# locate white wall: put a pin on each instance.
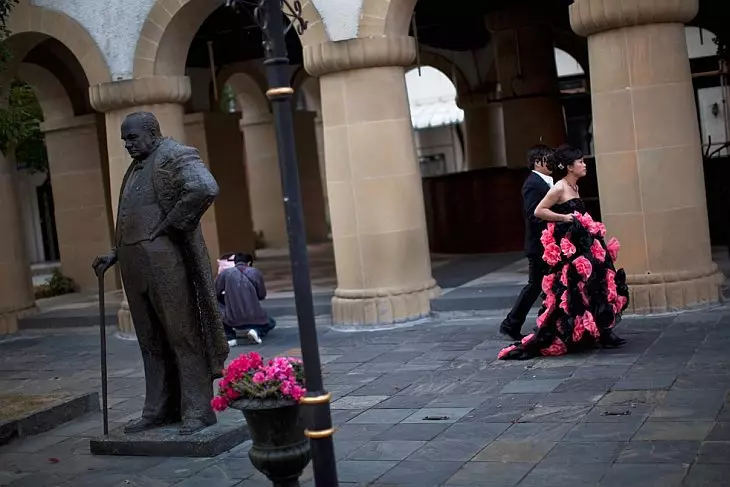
(440, 140)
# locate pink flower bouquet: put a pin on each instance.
(249, 377)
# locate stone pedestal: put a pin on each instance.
(484, 132)
(79, 197)
(162, 95)
(524, 54)
(373, 182)
(230, 431)
(16, 289)
(648, 149)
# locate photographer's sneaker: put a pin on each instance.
(254, 337)
(233, 343)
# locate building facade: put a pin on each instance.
(91, 65)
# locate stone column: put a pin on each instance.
(525, 59)
(264, 176)
(373, 181)
(319, 134)
(648, 149)
(79, 197)
(16, 288)
(310, 178)
(264, 179)
(162, 95)
(483, 132)
(218, 138)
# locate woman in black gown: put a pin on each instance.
(583, 293)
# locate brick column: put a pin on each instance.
(373, 181)
(648, 149)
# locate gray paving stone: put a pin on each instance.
(358, 402)
(437, 415)
(382, 416)
(559, 475)
(361, 431)
(571, 398)
(603, 431)
(659, 452)
(674, 430)
(412, 432)
(402, 401)
(142, 481)
(570, 452)
(618, 414)
(362, 472)
(445, 450)
(411, 473)
(555, 414)
(720, 432)
(466, 431)
(531, 386)
(513, 451)
(644, 475)
(593, 384)
(715, 452)
(561, 372)
(489, 474)
(707, 476)
(386, 450)
(537, 431)
(645, 382)
(469, 401)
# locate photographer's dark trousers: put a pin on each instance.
(179, 385)
(529, 294)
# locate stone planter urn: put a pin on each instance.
(280, 450)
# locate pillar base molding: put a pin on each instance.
(9, 318)
(383, 306)
(588, 17)
(153, 90)
(124, 319)
(674, 291)
(359, 53)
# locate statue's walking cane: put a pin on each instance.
(102, 335)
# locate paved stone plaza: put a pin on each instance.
(655, 413)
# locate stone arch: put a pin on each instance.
(448, 68)
(309, 88)
(170, 26)
(30, 25)
(250, 88)
(395, 21)
(52, 96)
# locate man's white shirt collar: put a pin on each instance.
(547, 179)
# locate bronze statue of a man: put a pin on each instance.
(167, 276)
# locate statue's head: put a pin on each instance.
(141, 134)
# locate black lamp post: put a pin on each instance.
(269, 15)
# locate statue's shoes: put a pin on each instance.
(142, 424)
(191, 426)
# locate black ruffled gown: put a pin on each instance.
(583, 294)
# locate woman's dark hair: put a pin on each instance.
(564, 156)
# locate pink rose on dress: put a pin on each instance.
(564, 302)
(583, 295)
(613, 247)
(620, 305)
(555, 349)
(598, 252)
(541, 319)
(590, 324)
(503, 353)
(611, 293)
(583, 266)
(549, 301)
(528, 339)
(598, 228)
(578, 329)
(564, 276)
(547, 283)
(567, 247)
(551, 254)
(547, 237)
(585, 219)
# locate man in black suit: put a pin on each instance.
(536, 186)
